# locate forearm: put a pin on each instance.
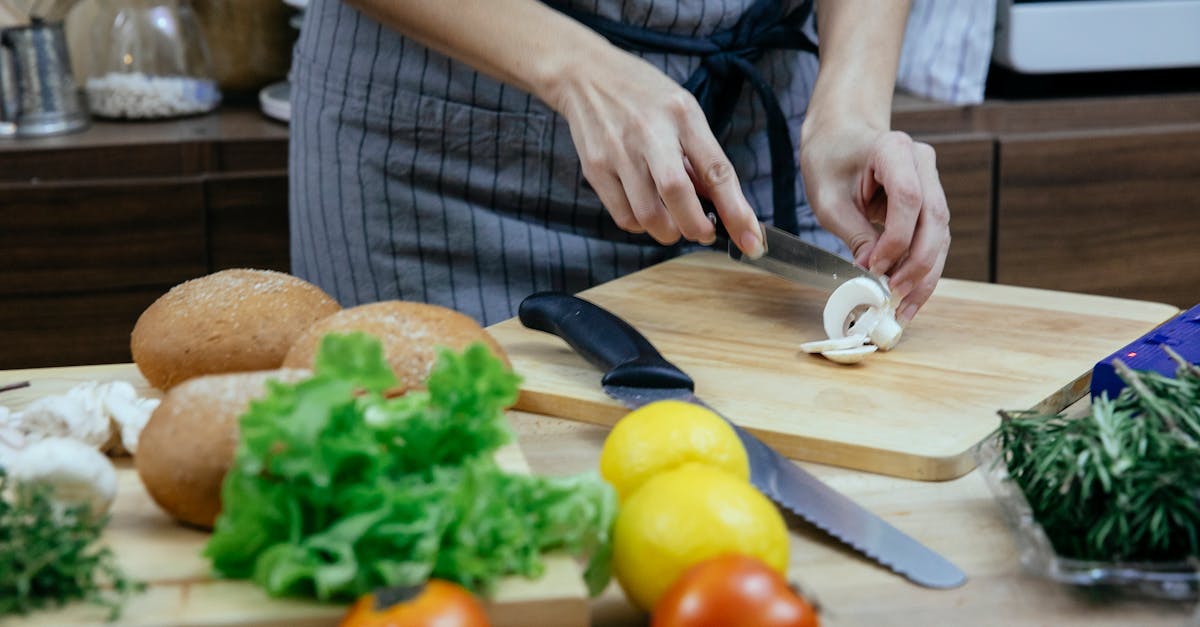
(520, 42)
(860, 51)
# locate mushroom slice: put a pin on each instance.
(850, 355)
(835, 344)
(849, 297)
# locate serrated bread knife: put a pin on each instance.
(636, 374)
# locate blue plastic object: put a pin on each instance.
(1181, 333)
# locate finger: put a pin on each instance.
(678, 194)
(612, 196)
(932, 234)
(893, 166)
(716, 179)
(646, 205)
(845, 221)
(923, 290)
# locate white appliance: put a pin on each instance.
(1064, 36)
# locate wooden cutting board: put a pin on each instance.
(913, 412)
(180, 591)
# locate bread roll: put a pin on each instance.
(230, 321)
(410, 332)
(187, 446)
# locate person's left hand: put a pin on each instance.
(857, 177)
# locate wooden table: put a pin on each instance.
(956, 518)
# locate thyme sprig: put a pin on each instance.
(1121, 483)
(48, 554)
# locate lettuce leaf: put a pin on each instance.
(336, 489)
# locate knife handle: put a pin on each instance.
(605, 340)
(723, 240)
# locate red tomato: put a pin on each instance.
(732, 591)
(436, 604)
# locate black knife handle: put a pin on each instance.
(723, 242)
(605, 340)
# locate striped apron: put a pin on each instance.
(414, 177)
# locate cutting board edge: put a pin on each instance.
(920, 467)
(917, 467)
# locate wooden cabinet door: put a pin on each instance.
(1106, 212)
(965, 167)
(248, 221)
(76, 237)
(81, 261)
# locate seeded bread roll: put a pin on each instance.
(188, 444)
(410, 332)
(229, 321)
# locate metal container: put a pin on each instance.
(38, 93)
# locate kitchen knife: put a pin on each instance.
(636, 375)
(795, 259)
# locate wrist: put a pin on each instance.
(564, 66)
(847, 107)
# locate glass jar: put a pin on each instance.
(150, 60)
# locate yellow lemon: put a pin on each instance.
(681, 517)
(663, 435)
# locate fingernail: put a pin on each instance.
(708, 241)
(900, 290)
(752, 244)
(907, 312)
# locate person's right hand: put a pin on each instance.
(646, 148)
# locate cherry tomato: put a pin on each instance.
(732, 591)
(437, 603)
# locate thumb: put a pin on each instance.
(854, 229)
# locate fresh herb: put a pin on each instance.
(48, 553)
(1123, 482)
(337, 490)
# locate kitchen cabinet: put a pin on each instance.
(98, 224)
(1097, 195)
(1106, 212)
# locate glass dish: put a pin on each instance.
(1163, 580)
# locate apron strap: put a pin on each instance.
(727, 61)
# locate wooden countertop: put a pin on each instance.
(236, 123)
(956, 518)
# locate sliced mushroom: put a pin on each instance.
(834, 344)
(850, 355)
(857, 311)
(849, 297)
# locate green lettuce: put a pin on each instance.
(337, 489)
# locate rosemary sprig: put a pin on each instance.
(1123, 482)
(48, 555)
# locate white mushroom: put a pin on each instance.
(99, 414)
(849, 299)
(834, 344)
(880, 325)
(857, 311)
(76, 472)
(850, 355)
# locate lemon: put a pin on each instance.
(681, 517)
(663, 435)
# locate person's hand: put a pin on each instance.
(646, 148)
(857, 177)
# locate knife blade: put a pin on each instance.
(636, 374)
(795, 259)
